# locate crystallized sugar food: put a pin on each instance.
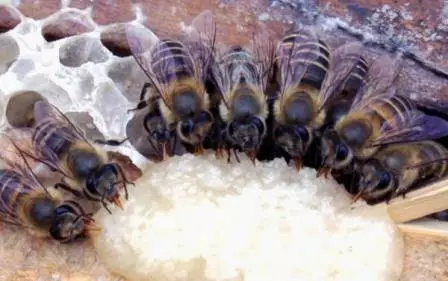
(199, 218)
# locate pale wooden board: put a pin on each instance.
(420, 203)
(426, 226)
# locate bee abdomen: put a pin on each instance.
(357, 77)
(430, 151)
(12, 191)
(392, 110)
(303, 49)
(170, 60)
(49, 138)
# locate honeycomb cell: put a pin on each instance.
(67, 24)
(43, 84)
(128, 77)
(114, 38)
(22, 67)
(19, 108)
(85, 122)
(9, 52)
(39, 9)
(107, 12)
(9, 18)
(81, 49)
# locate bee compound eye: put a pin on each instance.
(258, 124)
(303, 133)
(385, 178)
(204, 117)
(341, 151)
(187, 127)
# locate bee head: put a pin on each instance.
(293, 139)
(104, 182)
(156, 128)
(336, 154)
(193, 130)
(247, 134)
(67, 224)
(375, 181)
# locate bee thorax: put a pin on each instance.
(245, 105)
(298, 112)
(186, 104)
(82, 162)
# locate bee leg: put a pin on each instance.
(236, 156)
(229, 154)
(125, 181)
(105, 206)
(142, 102)
(68, 188)
(111, 142)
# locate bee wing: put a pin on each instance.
(55, 120)
(17, 155)
(222, 79)
(410, 127)
(343, 62)
(45, 111)
(381, 77)
(201, 40)
(264, 51)
(142, 56)
(294, 57)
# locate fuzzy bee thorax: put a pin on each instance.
(183, 97)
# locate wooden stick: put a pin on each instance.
(420, 203)
(427, 227)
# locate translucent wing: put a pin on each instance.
(222, 80)
(410, 127)
(201, 40)
(346, 61)
(17, 179)
(53, 132)
(380, 84)
(295, 54)
(142, 56)
(264, 51)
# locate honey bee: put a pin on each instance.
(377, 117)
(303, 61)
(26, 202)
(86, 169)
(242, 76)
(177, 73)
(396, 168)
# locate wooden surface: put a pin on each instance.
(420, 203)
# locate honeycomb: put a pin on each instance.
(76, 56)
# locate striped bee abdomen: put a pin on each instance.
(51, 139)
(171, 60)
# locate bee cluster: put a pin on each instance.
(292, 97)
